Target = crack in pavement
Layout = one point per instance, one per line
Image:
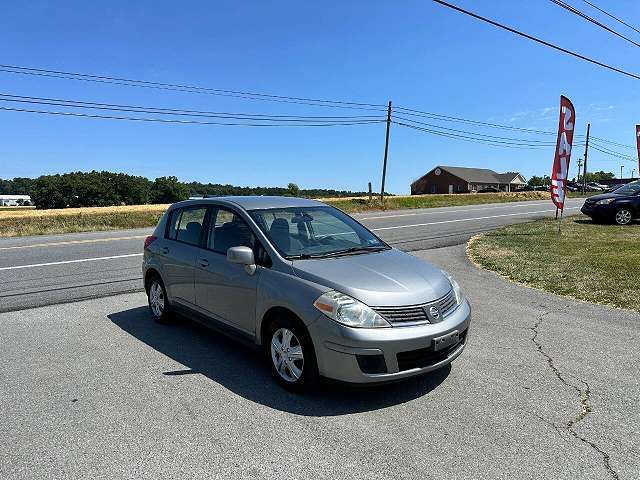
(583, 393)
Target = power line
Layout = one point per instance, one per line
(180, 112)
(610, 142)
(187, 122)
(265, 118)
(540, 142)
(612, 16)
(188, 88)
(538, 40)
(466, 138)
(448, 118)
(404, 110)
(577, 12)
(612, 153)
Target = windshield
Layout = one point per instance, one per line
(629, 189)
(309, 232)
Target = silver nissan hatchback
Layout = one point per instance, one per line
(320, 293)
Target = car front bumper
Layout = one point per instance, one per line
(598, 211)
(355, 355)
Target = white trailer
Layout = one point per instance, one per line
(14, 200)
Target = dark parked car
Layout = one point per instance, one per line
(620, 206)
(489, 190)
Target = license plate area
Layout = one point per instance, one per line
(451, 338)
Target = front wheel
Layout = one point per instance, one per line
(623, 216)
(291, 355)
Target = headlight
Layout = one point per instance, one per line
(606, 201)
(348, 311)
(456, 288)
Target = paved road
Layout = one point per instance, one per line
(548, 388)
(36, 271)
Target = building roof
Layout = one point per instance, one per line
(477, 175)
(507, 177)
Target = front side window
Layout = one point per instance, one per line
(190, 225)
(308, 232)
(226, 230)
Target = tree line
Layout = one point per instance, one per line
(545, 181)
(102, 189)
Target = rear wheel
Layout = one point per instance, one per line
(623, 216)
(158, 303)
(291, 356)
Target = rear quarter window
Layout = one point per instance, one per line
(174, 220)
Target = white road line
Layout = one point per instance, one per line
(515, 204)
(74, 242)
(467, 219)
(95, 259)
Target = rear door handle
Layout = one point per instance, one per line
(203, 262)
(165, 250)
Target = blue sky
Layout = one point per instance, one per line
(415, 53)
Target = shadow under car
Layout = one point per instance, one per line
(243, 370)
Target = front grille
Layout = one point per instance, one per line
(417, 314)
(426, 357)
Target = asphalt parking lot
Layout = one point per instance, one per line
(548, 388)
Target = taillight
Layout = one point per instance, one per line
(149, 240)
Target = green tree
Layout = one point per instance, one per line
(168, 190)
(293, 190)
(48, 192)
(599, 176)
(536, 181)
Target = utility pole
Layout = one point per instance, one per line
(386, 152)
(633, 173)
(586, 153)
(621, 169)
(579, 167)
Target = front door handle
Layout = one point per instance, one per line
(203, 262)
(165, 250)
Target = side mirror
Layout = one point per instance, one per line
(242, 256)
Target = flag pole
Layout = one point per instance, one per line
(559, 219)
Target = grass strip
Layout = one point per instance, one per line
(587, 261)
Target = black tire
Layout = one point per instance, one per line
(623, 216)
(309, 378)
(161, 315)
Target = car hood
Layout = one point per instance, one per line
(603, 196)
(386, 278)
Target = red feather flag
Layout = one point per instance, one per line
(563, 152)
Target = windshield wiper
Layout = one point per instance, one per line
(346, 251)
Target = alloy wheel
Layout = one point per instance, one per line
(287, 355)
(156, 299)
(623, 217)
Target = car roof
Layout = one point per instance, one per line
(254, 202)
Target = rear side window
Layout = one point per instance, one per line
(186, 225)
